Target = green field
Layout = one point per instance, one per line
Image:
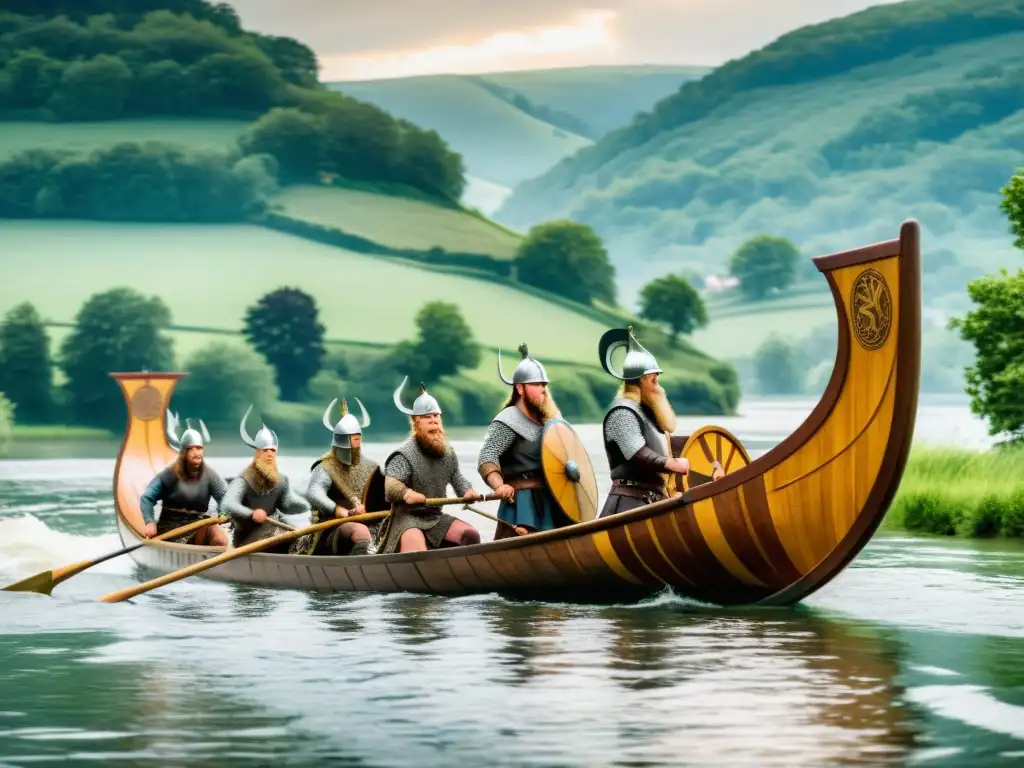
(208, 275)
(796, 142)
(16, 136)
(397, 222)
(499, 143)
(605, 97)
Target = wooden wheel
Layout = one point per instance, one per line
(702, 448)
(568, 472)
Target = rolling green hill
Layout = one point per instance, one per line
(603, 97)
(499, 143)
(516, 125)
(831, 136)
(208, 275)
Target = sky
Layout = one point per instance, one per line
(397, 38)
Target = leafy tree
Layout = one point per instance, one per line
(223, 379)
(444, 345)
(426, 162)
(244, 81)
(996, 328)
(296, 138)
(117, 330)
(567, 258)
(764, 262)
(26, 371)
(284, 326)
(673, 301)
(1013, 206)
(33, 78)
(97, 89)
(778, 367)
(6, 422)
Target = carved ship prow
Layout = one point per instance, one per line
(770, 532)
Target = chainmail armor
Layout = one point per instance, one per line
(499, 439)
(623, 428)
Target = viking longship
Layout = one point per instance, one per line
(771, 531)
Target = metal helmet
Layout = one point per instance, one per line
(639, 362)
(189, 438)
(422, 406)
(529, 370)
(347, 426)
(265, 438)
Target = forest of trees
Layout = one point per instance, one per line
(115, 59)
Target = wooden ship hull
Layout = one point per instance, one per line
(771, 532)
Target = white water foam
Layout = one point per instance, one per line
(28, 545)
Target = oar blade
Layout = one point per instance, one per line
(41, 583)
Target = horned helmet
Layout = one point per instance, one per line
(347, 426)
(638, 362)
(189, 438)
(265, 438)
(529, 370)
(423, 405)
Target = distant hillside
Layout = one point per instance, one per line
(499, 142)
(604, 97)
(831, 135)
(511, 126)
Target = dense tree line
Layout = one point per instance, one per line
(157, 63)
(193, 59)
(986, 97)
(335, 134)
(876, 35)
(134, 182)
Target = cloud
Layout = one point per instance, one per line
(391, 37)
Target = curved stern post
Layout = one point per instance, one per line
(144, 449)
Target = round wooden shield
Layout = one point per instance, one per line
(568, 471)
(702, 448)
(373, 493)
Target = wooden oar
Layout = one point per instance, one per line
(231, 554)
(495, 518)
(456, 500)
(44, 582)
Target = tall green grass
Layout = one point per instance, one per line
(952, 492)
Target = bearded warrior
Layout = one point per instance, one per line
(423, 467)
(509, 460)
(185, 489)
(259, 492)
(336, 488)
(638, 428)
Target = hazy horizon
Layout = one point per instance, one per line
(401, 38)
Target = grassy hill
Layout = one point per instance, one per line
(831, 136)
(386, 218)
(603, 97)
(208, 275)
(499, 142)
(511, 126)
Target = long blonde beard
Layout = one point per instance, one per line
(543, 413)
(266, 469)
(657, 404)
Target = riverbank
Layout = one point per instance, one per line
(953, 492)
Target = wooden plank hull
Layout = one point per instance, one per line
(771, 532)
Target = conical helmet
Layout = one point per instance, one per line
(265, 438)
(529, 370)
(639, 362)
(348, 425)
(423, 405)
(189, 438)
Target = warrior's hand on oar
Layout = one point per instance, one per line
(412, 498)
(150, 531)
(259, 516)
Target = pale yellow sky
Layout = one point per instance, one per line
(394, 38)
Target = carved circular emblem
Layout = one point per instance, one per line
(871, 309)
(147, 403)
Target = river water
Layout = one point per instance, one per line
(913, 655)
